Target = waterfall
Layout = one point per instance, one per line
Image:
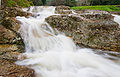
(56, 55)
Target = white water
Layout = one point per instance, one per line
(116, 18)
(53, 55)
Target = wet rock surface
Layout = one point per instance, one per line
(95, 29)
(11, 44)
(13, 12)
(89, 28)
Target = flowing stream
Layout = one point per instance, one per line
(55, 55)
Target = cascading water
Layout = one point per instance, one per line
(116, 18)
(53, 55)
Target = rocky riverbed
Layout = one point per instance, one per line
(88, 28)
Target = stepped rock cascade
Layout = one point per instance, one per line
(56, 55)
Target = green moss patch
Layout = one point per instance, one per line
(22, 3)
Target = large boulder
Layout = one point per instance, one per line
(8, 36)
(63, 10)
(11, 23)
(13, 12)
(11, 44)
(96, 30)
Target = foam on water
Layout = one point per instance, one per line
(53, 55)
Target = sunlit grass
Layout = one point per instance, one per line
(104, 8)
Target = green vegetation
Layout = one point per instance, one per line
(107, 5)
(71, 2)
(11, 3)
(54, 2)
(104, 8)
(22, 3)
(36, 2)
(104, 2)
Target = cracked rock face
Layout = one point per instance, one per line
(95, 29)
(11, 44)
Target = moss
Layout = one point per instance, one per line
(11, 3)
(22, 3)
